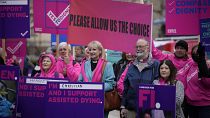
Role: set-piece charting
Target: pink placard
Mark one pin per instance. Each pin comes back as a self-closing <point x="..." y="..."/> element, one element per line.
<point x="117" y="25"/>
<point x="182" y="16"/>
<point x="51" y="16"/>
<point x="16" y="47"/>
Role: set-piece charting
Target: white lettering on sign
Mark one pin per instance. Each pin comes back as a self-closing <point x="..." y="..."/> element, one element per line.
<point x="58" y="20"/>
<point x="172" y="31"/>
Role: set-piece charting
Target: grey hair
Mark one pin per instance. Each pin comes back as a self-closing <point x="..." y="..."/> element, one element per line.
<point x="62" y="44"/>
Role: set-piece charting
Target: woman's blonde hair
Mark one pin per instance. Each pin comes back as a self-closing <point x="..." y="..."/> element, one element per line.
<point x="99" y="46"/>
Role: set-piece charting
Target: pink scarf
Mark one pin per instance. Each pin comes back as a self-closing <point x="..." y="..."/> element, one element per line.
<point x="96" y="73"/>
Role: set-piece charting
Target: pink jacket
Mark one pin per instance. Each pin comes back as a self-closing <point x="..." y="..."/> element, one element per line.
<point x="72" y="70"/>
<point x="179" y="63"/>
<point x="197" y="90"/>
<point x="120" y="82"/>
<point x="97" y="72"/>
<point x="51" y="72"/>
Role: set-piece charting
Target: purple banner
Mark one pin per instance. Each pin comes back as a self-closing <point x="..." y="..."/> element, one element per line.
<point x="31" y="97"/>
<point x="205" y="33"/>
<point x="182" y="16"/>
<point x="9" y="72"/>
<point x="8" y="87"/>
<point x="153" y="97"/>
<point x="14" y="19"/>
<point x="51" y="16"/>
<point x="59" y="99"/>
<point x="79" y="100"/>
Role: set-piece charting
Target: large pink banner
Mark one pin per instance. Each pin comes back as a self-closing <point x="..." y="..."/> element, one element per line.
<point x="182" y="16"/>
<point x="17" y="48"/>
<point x="117" y="25"/>
<point x="51" y="16"/>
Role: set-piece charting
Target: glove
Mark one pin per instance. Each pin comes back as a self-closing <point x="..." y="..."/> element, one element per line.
<point x="123" y="113"/>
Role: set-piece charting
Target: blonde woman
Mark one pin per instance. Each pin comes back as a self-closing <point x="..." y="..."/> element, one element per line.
<point x="92" y="69"/>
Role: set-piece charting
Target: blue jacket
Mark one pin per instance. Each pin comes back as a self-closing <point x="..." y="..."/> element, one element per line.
<point x="108" y="75"/>
<point x="5" y="108"/>
<point x="132" y="80"/>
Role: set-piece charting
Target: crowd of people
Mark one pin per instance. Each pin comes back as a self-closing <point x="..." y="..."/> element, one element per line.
<point x="189" y="74"/>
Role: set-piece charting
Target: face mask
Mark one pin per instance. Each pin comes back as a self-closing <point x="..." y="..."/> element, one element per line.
<point x="195" y="57"/>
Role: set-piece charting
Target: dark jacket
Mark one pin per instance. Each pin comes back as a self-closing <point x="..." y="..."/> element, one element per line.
<point x="204" y="71"/>
<point x="117" y="68"/>
<point x="132" y="80"/>
<point x="1" y="61"/>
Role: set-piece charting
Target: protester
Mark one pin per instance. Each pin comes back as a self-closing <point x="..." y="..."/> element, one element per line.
<point x="28" y="65"/>
<point x="51" y="50"/>
<point x="204" y="68"/>
<point x="5" y="105"/>
<point x="120" y="64"/>
<point x="79" y="54"/>
<point x="143" y="70"/>
<point x="97" y="69"/>
<point x="47" y="64"/>
<point x="65" y="63"/>
<point x="146" y="114"/>
<point x="179" y="59"/>
<point x="129" y="58"/>
<point x="197" y="91"/>
<point x="87" y="54"/>
<point x="36" y="69"/>
<point x="167" y="72"/>
<point x="126" y="58"/>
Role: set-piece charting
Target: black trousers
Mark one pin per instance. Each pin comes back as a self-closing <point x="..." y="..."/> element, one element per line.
<point x="198" y="111"/>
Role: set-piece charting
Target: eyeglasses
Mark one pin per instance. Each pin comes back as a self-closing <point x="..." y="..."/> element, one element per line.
<point x="141" y="46"/>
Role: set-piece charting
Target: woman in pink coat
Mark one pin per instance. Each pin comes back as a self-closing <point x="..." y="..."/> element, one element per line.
<point x="47" y="64"/>
<point x="65" y="63"/>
